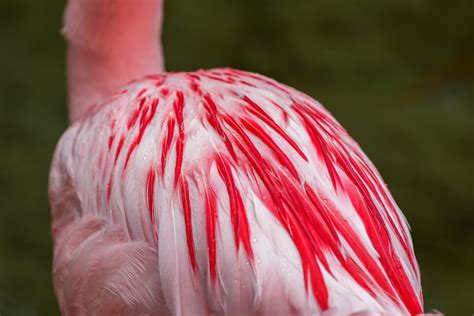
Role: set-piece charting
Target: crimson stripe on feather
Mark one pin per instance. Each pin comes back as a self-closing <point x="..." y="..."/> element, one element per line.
<point x="186" y="205"/>
<point x="211" y="222"/>
<point x="178" y="109"/>
<point x="166" y="144"/>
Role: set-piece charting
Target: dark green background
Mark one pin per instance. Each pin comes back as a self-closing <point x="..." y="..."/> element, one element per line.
<point x="398" y="74"/>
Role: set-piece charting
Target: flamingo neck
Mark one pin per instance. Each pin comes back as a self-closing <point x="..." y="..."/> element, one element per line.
<point x="110" y="42"/>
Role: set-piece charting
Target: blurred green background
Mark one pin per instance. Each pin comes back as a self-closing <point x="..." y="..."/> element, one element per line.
<point x="398" y="74"/>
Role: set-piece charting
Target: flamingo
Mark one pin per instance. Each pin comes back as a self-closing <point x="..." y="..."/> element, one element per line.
<point x="211" y="192"/>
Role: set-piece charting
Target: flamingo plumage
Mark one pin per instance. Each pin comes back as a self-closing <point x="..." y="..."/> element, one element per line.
<point x="211" y="192"/>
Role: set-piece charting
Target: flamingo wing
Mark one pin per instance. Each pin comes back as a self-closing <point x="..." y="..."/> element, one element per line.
<point x="223" y="191"/>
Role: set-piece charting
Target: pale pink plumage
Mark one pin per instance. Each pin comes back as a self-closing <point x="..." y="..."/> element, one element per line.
<point x="221" y="191"/>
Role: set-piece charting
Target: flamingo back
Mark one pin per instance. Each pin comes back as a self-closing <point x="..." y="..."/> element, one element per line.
<point x="223" y="191"/>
